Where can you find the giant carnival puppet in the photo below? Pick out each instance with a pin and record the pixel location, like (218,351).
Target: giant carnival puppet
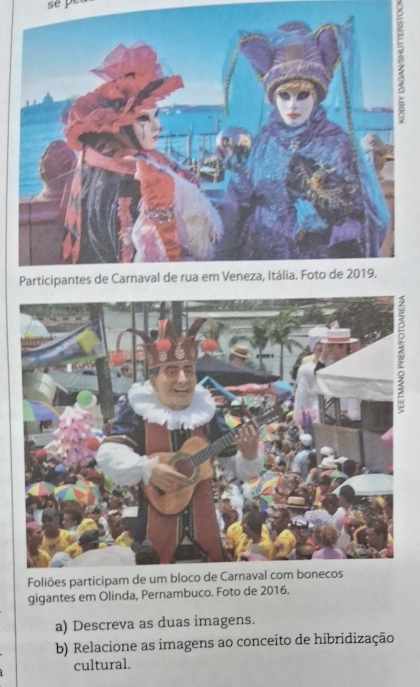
(303,191)
(128,202)
(171,418)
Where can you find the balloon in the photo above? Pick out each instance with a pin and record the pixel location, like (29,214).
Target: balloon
(86,399)
(92,443)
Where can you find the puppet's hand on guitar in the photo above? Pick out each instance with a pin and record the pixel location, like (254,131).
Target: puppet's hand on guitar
(166,478)
(247,440)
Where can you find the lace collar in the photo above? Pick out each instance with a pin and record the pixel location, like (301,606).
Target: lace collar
(144,403)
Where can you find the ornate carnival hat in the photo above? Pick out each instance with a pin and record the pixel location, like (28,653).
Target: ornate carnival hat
(134,81)
(292,51)
(170,347)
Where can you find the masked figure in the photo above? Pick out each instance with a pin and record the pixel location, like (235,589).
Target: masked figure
(300,193)
(128,202)
(159,417)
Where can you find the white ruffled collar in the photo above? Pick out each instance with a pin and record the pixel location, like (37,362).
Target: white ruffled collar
(144,403)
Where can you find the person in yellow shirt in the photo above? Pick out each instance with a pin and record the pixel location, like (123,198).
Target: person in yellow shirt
(284,540)
(253,535)
(235,538)
(89,541)
(233,534)
(87,525)
(129,516)
(36,558)
(323,488)
(55,539)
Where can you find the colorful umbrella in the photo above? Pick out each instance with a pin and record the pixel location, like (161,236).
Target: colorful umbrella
(92,491)
(40,489)
(282,389)
(268,433)
(90,498)
(69,492)
(254,484)
(232,421)
(35,411)
(264,488)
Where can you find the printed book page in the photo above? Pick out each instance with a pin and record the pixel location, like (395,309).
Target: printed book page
(210,304)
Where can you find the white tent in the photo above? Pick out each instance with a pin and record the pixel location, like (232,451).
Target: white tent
(367,375)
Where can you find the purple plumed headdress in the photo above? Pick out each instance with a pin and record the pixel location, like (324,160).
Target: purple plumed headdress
(292,51)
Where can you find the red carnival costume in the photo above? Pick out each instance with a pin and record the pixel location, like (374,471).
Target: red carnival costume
(128,204)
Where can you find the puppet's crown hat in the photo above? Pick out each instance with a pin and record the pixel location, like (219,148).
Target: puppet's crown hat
(292,51)
(170,347)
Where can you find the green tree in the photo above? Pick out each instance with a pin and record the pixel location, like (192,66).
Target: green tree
(281,328)
(366,317)
(260,337)
(313,315)
(258,340)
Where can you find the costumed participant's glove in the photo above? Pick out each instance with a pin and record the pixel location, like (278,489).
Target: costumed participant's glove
(176,221)
(335,199)
(155,233)
(307,218)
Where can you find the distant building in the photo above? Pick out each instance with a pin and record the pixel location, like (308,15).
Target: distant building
(48,107)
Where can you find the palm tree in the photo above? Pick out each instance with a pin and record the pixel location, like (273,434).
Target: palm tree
(281,327)
(260,337)
(258,340)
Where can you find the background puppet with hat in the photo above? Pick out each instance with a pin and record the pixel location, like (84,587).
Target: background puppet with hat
(159,416)
(306,398)
(239,354)
(128,202)
(337,345)
(301,193)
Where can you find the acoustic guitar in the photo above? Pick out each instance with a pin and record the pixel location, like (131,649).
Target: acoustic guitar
(194,461)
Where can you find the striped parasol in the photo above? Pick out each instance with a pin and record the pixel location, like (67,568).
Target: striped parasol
(40,489)
(91,491)
(69,492)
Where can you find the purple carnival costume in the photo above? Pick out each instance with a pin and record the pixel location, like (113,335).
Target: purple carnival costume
(300,194)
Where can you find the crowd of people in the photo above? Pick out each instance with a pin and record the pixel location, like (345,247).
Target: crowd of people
(307,514)
(312,513)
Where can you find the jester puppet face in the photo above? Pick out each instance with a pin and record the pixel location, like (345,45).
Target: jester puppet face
(146,128)
(295,101)
(174,384)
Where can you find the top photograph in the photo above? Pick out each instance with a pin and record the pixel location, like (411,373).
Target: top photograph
(261,131)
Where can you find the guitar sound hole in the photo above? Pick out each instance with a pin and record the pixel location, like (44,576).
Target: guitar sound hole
(184,466)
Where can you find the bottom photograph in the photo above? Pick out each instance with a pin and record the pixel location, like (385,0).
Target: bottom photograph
(207,431)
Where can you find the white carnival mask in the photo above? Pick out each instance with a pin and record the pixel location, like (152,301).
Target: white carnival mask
(295,101)
(147,127)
